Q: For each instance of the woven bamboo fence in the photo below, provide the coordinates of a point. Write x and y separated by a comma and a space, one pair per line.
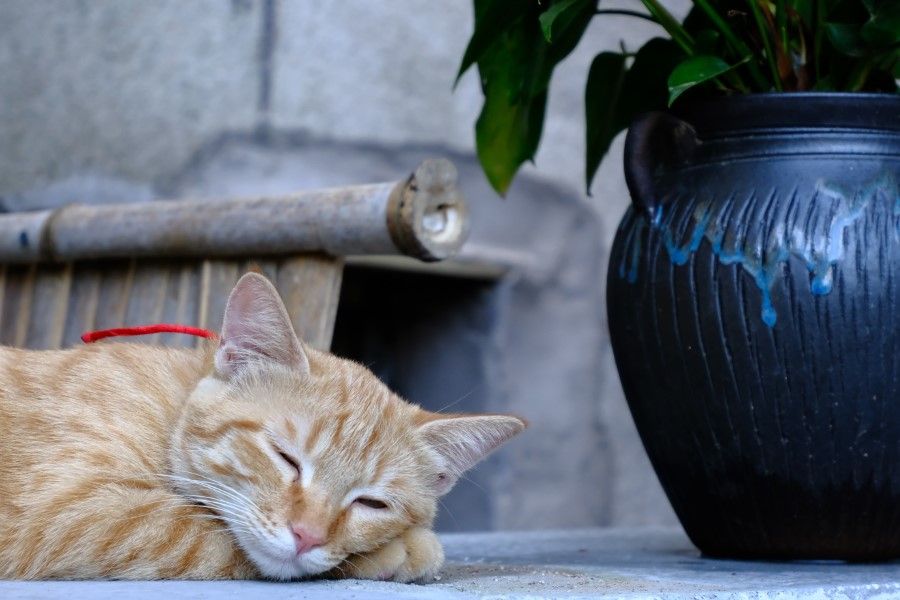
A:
79, 268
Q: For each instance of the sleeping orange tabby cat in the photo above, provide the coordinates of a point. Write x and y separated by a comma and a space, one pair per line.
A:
254, 457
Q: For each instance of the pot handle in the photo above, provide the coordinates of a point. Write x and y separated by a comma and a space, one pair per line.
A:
655, 140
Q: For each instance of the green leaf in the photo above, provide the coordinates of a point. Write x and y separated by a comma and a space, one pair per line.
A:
883, 29
515, 71
646, 83
492, 18
696, 70
560, 15
602, 107
611, 103
668, 22
781, 21
846, 38
507, 135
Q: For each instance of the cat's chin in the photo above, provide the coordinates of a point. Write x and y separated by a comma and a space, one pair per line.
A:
284, 565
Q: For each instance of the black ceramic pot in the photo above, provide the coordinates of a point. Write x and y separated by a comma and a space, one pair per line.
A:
754, 309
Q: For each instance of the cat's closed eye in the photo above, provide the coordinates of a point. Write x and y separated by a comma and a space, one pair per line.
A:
371, 503
289, 460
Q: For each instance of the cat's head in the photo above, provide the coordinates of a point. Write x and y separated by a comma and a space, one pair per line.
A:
309, 458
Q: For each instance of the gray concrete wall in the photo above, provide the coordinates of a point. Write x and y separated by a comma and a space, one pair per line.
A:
129, 100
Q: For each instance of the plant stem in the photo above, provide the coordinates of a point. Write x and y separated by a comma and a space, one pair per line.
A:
671, 25
767, 43
629, 13
781, 20
625, 51
736, 43
735, 80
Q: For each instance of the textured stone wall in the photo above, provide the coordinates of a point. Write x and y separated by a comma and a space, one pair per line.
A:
130, 100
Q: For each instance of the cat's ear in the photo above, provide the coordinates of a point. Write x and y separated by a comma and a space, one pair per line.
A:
461, 441
257, 328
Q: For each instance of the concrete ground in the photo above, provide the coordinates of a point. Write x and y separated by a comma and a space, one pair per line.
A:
590, 563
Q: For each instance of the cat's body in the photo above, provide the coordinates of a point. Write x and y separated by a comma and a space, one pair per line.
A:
255, 457
84, 436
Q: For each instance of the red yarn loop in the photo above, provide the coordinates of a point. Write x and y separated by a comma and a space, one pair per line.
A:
94, 336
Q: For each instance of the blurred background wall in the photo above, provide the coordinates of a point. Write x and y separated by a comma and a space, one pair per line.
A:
104, 101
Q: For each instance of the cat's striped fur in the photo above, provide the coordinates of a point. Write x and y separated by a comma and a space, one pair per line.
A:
252, 457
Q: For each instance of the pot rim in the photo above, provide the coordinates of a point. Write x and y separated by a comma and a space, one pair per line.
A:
792, 110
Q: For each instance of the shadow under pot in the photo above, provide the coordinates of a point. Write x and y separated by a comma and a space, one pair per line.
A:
754, 310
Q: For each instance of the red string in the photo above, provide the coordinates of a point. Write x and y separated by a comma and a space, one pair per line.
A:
94, 336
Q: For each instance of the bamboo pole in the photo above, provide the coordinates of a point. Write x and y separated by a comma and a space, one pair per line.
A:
423, 216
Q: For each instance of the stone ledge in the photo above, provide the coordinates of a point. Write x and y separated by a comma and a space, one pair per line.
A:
591, 563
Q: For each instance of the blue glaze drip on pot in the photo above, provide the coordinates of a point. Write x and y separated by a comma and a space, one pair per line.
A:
820, 253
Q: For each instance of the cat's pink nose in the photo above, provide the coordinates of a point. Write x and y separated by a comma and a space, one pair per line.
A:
306, 538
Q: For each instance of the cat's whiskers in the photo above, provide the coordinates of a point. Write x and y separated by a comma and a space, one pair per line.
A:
473, 482
340, 568
206, 498
222, 508
226, 488
236, 503
169, 502
448, 511
231, 532
217, 485
458, 400
210, 530
362, 556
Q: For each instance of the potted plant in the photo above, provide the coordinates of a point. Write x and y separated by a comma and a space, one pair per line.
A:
754, 283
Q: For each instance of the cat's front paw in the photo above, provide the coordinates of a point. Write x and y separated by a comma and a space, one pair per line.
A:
416, 555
